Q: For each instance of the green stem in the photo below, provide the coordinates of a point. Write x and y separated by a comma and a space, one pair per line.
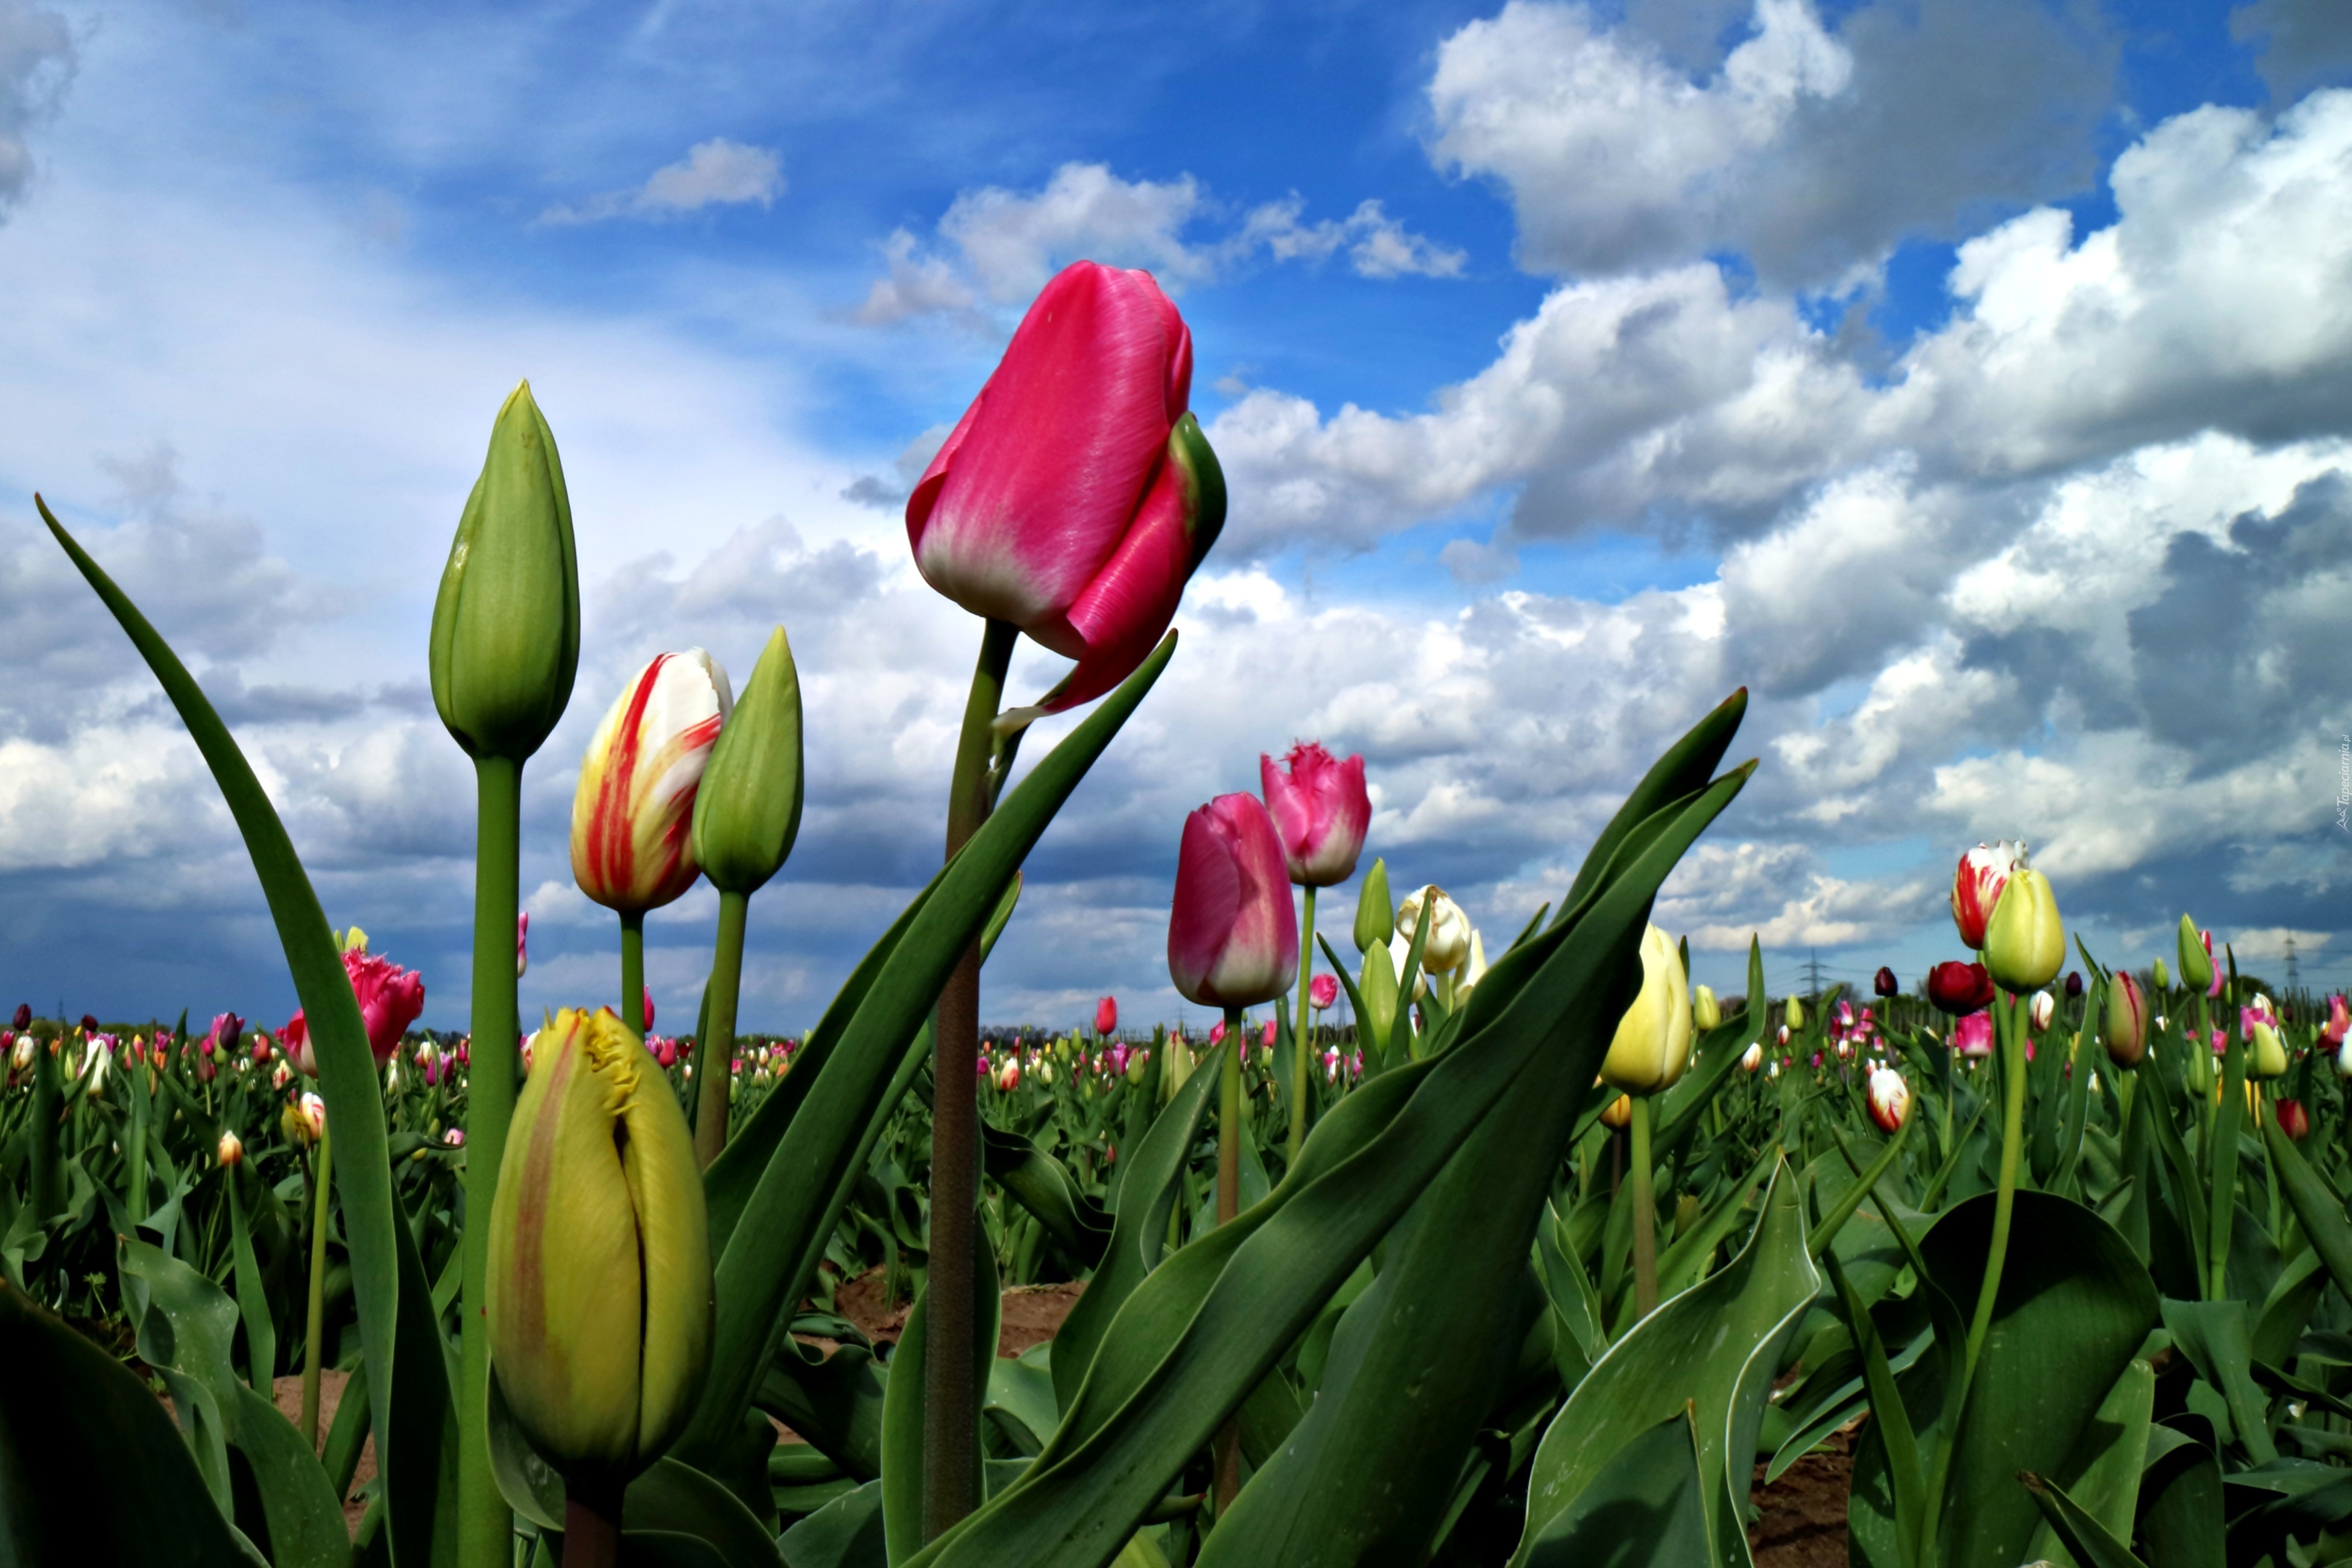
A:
1646, 1215
633, 971
46, 1197
484, 1523
2223, 1155
135, 1177
1229, 1204
2011, 1027
314, 1327
714, 1054
950, 1413
1301, 1035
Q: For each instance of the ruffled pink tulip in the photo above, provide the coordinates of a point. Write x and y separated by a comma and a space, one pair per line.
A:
632, 846
1232, 936
1323, 990
1076, 497
1320, 809
1107, 1016
1972, 1035
390, 999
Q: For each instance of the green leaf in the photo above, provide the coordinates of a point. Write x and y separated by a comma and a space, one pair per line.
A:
845, 1533
2219, 1342
835, 1403
2102, 1476
775, 1247
252, 1299
1714, 1348
2091, 1542
1044, 1186
1138, 1232
678, 1500
92, 1469
405, 1350
902, 1410
1647, 1508
2315, 1205
1246, 1292
2181, 1519
1684, 770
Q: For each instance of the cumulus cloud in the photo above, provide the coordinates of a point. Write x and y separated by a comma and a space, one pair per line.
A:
716, 172
1811, 150
1007, 243
37, 61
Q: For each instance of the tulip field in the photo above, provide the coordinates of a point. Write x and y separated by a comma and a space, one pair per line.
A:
1439, 1244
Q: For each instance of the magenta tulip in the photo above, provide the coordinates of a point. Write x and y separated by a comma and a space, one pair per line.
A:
1233, 936
1323, 991
1107, 1016
1076, 497
1320, 809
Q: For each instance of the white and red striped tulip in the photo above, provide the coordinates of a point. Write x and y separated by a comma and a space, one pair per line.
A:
632, 819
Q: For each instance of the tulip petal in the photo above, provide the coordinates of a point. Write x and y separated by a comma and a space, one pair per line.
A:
673, 1237
1208, 899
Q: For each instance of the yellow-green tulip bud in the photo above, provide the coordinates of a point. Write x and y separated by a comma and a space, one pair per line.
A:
2025, 944
2161, 975
506, 627
1652, 1043
1377, 984
748, 810
599, 1284
2196, 962
2265, 1052
1705, 1012
1796, 1013
1375, 915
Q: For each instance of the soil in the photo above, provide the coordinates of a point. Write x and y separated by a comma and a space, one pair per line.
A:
1028, 1314
1802, 1523
286, 1392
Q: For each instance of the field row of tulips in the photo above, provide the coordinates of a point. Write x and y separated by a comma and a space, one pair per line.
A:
1485, 1247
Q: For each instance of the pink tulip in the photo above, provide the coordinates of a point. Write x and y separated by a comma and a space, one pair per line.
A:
1972, 1035
2339, 1021
1320, 809
1323, 990
1076, 497
227, 1030
1217, 1033
1107, 1016
390, 999
646, 993
1232, 936
1267, 1041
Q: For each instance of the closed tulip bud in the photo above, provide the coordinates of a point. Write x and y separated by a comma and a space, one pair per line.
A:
1884, 984
24, 1018
1375, 915
1959, 988
1008, 1077
2025, 942
505, 625
1752, 1058
1890, 1100
2160, 975
1233, 935
2073, 983
1652, 1046
231, 1152
2126, 1023
600, 1301
1322, 991
632, 848
1076, 497
748, 810
1705, 1012
1321, 808
1977, 887
2293, 1120
522, 943
1107, 1016
1474, 968
2265, 1052
1972, 1035
1449, 929
1795, 1010
1617, 1113
1377, 985
2196, 950
2041, 1009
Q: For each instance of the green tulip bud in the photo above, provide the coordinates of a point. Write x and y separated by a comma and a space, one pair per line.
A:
1377, 984
1375, 915
2161, 975
1653, 1044
1796, 1014
600, 1296
2265, 1053
2196, 963
2025, 943
1705, 1012
748, 810
506, 627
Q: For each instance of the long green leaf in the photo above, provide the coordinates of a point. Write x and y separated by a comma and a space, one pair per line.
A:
769, 1256
405, 1353
1685, 768
2092, 1544
1647, 1508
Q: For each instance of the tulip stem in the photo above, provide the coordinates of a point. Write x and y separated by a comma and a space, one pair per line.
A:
714, 1054
2223, 1154
47, 1135
1646, 1215
2011, 1031
591, 1527
314, 1329
1302, 1036
950, 1408
484, 1523
633, 971
1229, 1204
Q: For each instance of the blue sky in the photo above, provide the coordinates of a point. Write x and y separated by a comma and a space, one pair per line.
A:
1963, 378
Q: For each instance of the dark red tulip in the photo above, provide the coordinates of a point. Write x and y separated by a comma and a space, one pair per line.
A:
1959, 988
2074, 982
1886, 984
24, 1016
2293, 1120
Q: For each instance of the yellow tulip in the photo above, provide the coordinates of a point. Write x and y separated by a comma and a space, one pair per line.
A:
1705, 1012
2025, 943
600, 1287
1653, 1044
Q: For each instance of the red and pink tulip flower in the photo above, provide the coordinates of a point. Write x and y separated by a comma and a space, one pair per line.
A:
1232, 936
1076, 497
1321, 810
1975, 887
390, 1000
1106, 1016
1972, 1035
2339, 1021
631, 818
1323, 991
1959, 988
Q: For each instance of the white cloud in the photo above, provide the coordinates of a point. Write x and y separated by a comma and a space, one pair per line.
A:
716, 172
37, 61
1378, 245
